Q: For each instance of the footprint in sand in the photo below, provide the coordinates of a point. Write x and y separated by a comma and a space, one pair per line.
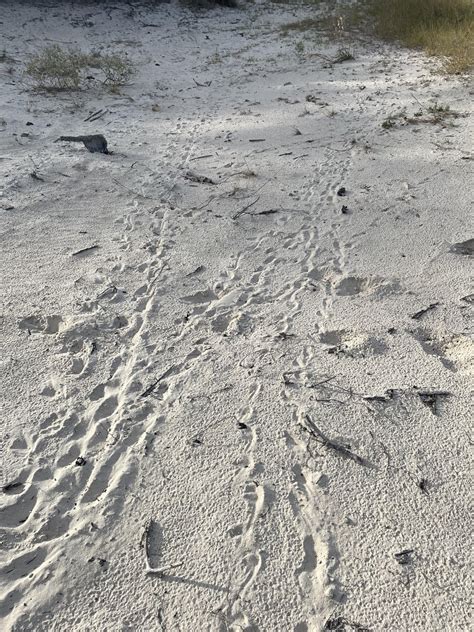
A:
454, 351
199, 298
106, 408
41, 324
352, 286
353, 344
16, 513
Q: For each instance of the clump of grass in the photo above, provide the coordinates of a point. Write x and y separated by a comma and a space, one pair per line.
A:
389, 122
215, 58
56, 68
440, 27
300, 48
434, 114
343, 54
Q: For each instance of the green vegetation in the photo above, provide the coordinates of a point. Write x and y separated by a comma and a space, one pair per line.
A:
55, 68
434, 114
440, 27
444, 28
300, 48
116, 69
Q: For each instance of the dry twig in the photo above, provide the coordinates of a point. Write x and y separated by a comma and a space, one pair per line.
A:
161, 570
320, 437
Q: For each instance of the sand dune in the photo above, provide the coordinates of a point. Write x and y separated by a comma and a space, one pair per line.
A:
236, 352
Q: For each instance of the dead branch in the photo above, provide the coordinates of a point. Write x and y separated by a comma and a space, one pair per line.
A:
195, 177
150, 569
422, 312
146, 197
80, 252
152, 386
320, 437
246, 208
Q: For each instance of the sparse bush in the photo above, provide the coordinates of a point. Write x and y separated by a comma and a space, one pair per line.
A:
55, 68
117, 69
300, 48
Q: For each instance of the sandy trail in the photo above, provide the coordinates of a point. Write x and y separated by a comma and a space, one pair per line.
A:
157, 386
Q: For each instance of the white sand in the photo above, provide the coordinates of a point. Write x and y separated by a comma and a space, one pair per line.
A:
251, 323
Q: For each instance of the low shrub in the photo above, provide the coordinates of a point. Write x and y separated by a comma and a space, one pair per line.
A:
55, 68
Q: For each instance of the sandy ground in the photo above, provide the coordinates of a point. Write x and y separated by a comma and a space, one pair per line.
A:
237, 379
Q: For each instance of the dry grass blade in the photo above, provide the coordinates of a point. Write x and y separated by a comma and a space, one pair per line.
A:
246, 208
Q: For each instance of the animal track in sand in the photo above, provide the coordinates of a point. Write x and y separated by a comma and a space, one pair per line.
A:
106, 408
353, 344
72, 454
24, 564
49, 389
308, 565
41, 324
307, 497
454, 351
248, 557
76, 366
204, 296
97, 393
352, 286
100, 421
17, 512
313, 573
